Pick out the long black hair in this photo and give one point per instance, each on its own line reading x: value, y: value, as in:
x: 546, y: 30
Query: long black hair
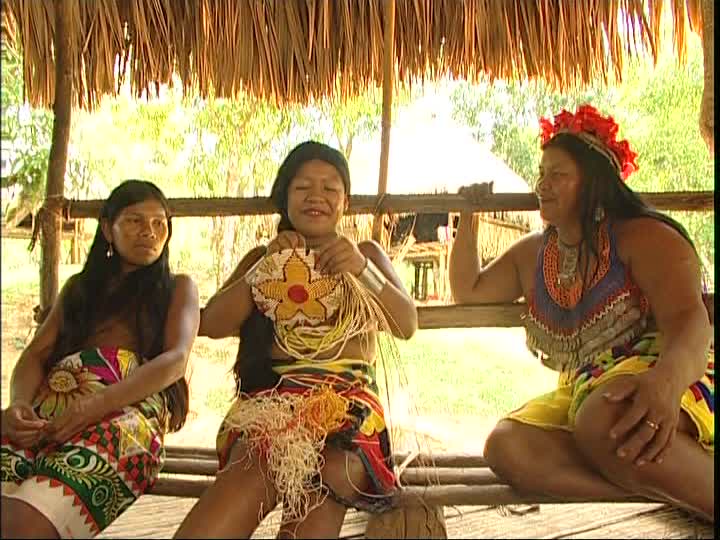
x: 253, y: 368
x: 101, y: 291
x: 603, y: 188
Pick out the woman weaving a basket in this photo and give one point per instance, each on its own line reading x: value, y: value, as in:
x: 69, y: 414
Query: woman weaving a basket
x: 307, y: 428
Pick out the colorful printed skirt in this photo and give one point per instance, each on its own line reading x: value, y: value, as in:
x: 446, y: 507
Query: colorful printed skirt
x: 333, y: 403
x: 82, y: 485
x: 557, y: 409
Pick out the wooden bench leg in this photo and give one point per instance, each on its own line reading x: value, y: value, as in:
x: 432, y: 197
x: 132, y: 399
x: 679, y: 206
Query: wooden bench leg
x: 408, y: 522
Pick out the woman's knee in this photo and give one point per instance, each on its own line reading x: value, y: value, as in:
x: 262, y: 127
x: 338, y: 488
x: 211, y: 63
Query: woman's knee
x: 20, y: 520
x: 593, y: 423
x: 507, y: 452
x: 344, y: 473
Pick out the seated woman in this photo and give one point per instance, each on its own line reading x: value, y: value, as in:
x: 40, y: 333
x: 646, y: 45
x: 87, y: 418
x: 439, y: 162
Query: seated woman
x: 93, y: 394
x: 307, y: 428
x: 615, y: 305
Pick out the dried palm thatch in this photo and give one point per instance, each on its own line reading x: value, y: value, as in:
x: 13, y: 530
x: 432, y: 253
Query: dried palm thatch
x: 301, y: 50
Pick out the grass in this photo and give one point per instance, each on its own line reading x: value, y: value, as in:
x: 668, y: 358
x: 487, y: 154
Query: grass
x: 480, y: 372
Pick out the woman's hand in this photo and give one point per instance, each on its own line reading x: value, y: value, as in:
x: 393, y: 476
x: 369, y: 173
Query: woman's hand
x: 79, y: 414
x: 648, y: 427
x: 340, y: 255
x: 21, y: 425
x: 286, y: 240
x: 476, y: 193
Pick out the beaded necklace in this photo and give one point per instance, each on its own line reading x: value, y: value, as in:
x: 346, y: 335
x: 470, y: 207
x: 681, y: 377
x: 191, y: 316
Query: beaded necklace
x: 568, y: 324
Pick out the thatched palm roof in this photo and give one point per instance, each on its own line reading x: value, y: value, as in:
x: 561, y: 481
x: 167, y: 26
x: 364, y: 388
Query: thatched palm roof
x: 297, y: 50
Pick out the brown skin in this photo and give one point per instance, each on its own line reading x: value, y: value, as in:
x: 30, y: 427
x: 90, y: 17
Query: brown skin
x: 613, y: 451
x: 138, y: 237
x: 316, y: 203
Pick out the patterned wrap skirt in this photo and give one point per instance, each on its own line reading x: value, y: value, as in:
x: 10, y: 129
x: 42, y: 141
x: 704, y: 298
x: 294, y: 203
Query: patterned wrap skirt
x: 362, y: 431
x: 82, y: 485
x: 557, y: 409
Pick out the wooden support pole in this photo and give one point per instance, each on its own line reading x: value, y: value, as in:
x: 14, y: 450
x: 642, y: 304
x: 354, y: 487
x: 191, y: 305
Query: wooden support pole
x: 51, y: 213
x: 388, y: 71
x: 707, y: 104
x: 414, y: 204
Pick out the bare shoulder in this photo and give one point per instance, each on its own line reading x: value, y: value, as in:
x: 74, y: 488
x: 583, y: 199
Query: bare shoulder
x: 186, y: 290
x: 525, y: 249
x: 643, y: 234
x: 70, y: 282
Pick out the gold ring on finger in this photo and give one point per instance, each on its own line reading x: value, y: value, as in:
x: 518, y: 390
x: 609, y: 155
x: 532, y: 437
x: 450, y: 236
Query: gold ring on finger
x: 652, y: 424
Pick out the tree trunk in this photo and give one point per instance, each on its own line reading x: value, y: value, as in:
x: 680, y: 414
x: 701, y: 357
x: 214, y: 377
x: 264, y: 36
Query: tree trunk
x: 51, y: 213
x: 707, y: 105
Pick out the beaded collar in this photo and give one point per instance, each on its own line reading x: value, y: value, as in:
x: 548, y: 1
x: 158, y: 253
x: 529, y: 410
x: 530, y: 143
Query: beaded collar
x: 567, y: 327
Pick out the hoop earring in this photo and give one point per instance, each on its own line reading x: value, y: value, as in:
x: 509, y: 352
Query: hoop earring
x: 599, y: 214
x: 109, y: 253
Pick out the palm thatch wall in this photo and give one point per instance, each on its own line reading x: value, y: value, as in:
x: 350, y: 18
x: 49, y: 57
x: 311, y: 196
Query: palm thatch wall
x: 298, y: 50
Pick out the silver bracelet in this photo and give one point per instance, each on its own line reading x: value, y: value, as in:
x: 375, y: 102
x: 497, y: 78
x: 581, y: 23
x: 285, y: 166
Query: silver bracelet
x: 372, y: 277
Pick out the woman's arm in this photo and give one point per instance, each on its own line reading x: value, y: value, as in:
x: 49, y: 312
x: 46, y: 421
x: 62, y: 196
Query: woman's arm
x: 230, y: 307
x: 244, y: 265
x: 151, y: 377
x: 19, y: 421
x: 497, y: 282
x: 399, y: 308
x: 667, y: 270
x: 29, y: 372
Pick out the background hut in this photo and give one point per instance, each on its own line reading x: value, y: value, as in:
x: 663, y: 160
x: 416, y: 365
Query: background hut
x: 432, y: 153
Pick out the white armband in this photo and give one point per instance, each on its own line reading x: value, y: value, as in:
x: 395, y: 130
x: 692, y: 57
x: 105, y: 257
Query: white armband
x: 372, y: 277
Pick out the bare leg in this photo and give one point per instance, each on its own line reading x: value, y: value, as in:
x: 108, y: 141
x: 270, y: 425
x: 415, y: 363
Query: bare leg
x: 684, y: 478
x: 345, y: 474
x: 21, y: 520
x: 537, y: 460
x: 234, y: 505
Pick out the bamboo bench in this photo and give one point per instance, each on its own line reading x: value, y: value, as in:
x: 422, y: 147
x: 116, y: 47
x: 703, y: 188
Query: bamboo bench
x: 453, y: 480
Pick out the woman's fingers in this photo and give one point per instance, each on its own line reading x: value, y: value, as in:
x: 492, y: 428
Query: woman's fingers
x: 664, y: 450
x: 660, y: 434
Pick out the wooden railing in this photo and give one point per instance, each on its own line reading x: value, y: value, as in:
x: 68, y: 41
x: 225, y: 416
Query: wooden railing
x: 369, y: 204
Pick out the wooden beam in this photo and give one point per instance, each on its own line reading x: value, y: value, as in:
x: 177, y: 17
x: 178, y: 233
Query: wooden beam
x: 50, y: 216
x: 469, y: 316
x: 198, y: 453
x: 388, y: 70
x: 365, y: 204
x: 25, y: 234
x: 411, y: 476
x: 493, y: 495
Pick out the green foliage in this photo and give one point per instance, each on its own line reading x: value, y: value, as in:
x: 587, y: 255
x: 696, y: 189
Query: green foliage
x: 26, y: 135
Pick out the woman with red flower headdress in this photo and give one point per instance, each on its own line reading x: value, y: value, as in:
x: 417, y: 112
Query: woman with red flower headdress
x: 616, y: 306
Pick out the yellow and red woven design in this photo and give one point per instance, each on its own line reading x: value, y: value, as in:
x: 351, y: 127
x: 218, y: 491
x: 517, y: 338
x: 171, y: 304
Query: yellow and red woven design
x: 289, y: 290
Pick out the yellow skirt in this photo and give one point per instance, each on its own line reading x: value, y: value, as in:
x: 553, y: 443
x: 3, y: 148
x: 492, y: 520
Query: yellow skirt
x: 557, y: 409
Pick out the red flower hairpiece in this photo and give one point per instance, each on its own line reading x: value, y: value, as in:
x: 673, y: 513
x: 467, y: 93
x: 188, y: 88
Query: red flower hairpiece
x: 598, y: 131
